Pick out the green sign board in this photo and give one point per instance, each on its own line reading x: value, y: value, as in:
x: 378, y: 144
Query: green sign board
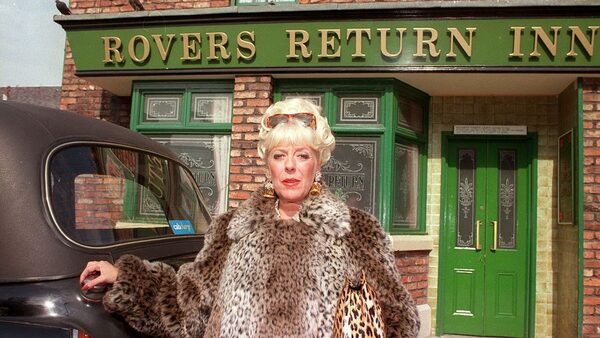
x: 544, y: 42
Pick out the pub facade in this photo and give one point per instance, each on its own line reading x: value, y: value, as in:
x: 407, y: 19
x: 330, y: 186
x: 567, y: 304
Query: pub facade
x: 471, y: 129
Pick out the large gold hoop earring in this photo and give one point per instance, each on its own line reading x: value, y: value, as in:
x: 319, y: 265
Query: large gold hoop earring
x: 315, y: 189
x: 269, y: 191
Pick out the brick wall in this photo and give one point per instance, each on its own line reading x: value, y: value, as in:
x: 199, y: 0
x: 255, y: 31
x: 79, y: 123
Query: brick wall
x: 413, y: 267
x: 591, y: 206
x: 41, y: 96
x: 87, y: 99
x: 251, y: 97
x: 116, y: 6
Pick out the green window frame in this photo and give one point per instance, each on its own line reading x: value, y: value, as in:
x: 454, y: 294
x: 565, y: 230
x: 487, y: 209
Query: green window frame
x: 383, y: 130
x: 193, y: 118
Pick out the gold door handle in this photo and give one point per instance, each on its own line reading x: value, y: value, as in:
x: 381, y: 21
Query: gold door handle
x: 477, y: 242
x: 495, y: 245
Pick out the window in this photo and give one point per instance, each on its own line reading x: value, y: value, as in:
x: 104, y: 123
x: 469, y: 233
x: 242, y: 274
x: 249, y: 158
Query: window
x: 410, y: 160
x: 101, y: 195
x: 194, y: 120
x: 380, y: 157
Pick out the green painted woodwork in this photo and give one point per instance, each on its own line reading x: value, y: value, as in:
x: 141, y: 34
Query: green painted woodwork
x: 579, y: 194
x: 185, y: 89
x: 388, y: 91
x: 485, y: 291
x: 425, y: 43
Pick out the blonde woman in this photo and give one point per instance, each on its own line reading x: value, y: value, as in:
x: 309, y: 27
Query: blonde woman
x: 275, y: 266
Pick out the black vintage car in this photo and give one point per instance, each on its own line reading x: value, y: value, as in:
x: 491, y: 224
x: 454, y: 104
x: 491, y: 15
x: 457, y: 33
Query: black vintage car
x: 76, y: 189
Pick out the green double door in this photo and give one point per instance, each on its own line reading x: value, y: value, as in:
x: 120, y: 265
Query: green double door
x: 484, y: 237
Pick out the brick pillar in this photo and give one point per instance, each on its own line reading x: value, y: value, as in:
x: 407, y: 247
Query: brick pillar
x: 413, y: 267
x: 251, y: 97
x: 591, y: 205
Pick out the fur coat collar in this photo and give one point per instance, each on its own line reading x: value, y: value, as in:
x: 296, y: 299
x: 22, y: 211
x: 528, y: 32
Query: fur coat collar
x: 324, y: 211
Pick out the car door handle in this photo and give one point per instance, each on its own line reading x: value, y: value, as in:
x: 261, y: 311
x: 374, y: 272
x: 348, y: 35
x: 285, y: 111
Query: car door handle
x: 495, y: 245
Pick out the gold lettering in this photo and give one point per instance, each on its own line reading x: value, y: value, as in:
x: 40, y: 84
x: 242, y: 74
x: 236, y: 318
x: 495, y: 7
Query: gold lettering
x: 247, y: 45
x: 190, y: 51
x: 518, y: 31
x: 164, y: 52
x: 295, y: 44
x: 358, y: 33
x: 383, y: 32
x: 541, y: 34
x: 328, y: 43
x: 213, y: 45
x: 114, y: 50
x: 145, y: 52
x: 421, y: 42
x: 588, y: 45
x: 456, y: 36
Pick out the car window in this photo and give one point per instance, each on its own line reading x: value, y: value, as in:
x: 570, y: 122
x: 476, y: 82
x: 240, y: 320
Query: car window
x: 103, y: 195
x: 22, y: 330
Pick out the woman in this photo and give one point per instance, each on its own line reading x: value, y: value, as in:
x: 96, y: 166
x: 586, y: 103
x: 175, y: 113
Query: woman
x: 275, y: 266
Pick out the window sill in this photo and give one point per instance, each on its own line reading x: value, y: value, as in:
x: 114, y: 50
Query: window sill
x: 411, y: 242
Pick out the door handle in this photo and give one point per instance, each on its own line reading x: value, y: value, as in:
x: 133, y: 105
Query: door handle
x: 495, y: 245
x: 477, y: 242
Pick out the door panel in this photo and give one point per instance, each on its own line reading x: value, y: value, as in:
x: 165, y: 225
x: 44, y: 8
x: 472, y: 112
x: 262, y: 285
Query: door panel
x: 465, y: 297
x: 506, y: 259
x: 486, y: 200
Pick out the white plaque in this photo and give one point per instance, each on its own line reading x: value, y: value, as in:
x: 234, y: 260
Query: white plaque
x: 489, y: 130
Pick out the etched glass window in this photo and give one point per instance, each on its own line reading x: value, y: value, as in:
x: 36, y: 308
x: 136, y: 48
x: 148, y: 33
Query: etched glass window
x: 406, y: 185
x: 507, y: 199
x: 315, y: 98
x: 165, y: 108
x: 208, y: 158
x: 358, y: 110
x: 465, y: 213
x: 410, y: 115
x: 351, y: 171
x: 212, y: 108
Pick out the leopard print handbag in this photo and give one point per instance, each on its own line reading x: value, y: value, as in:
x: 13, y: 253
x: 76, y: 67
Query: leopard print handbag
x: 358, y: 313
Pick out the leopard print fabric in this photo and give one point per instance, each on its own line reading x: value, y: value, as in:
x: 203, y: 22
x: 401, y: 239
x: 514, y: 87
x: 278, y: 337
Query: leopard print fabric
x: 258, y: 276
x: 358, y: 313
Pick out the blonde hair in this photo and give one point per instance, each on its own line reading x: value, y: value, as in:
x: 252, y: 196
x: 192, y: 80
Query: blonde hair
x: 320, y: 139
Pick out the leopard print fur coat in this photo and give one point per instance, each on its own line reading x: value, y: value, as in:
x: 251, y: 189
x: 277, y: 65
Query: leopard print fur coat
x: 259, y: 276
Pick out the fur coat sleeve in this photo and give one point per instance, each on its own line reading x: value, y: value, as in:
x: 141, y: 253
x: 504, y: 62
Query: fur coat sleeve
x: 145, y: 296
x: 371, y: 252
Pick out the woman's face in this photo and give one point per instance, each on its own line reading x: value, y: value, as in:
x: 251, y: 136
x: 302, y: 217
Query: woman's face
x: 292, y: 171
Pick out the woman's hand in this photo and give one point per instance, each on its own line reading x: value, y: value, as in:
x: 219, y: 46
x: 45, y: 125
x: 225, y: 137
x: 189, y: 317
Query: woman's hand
x: 105, y: 271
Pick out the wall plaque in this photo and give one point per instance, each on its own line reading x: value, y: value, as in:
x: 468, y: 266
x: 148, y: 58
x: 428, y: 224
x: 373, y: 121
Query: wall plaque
x: 489, y: 130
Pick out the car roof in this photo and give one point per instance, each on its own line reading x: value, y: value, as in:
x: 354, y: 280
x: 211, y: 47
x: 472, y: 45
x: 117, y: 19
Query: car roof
x: 31, y: 246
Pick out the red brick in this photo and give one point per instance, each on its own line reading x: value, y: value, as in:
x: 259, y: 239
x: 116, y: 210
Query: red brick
x: 239, y: 195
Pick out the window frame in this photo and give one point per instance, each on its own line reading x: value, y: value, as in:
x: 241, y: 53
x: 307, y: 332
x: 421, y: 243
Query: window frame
x: 186, y: 126
x: 388, y: 132
x: 187, y: 89
x: 406, y: 136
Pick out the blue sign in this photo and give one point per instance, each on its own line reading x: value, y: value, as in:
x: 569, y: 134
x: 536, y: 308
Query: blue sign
x: 182, y: 227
